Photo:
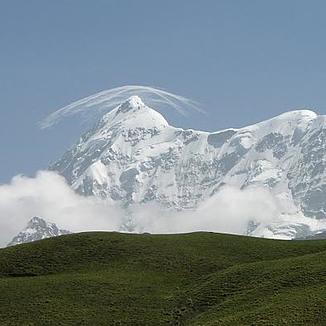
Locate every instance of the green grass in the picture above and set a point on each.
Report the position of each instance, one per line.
(191, 279)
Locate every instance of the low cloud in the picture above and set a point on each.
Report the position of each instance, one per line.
(49, 196)
(228, 211)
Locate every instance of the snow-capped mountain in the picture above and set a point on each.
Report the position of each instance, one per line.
(37, 229)
(134, 156)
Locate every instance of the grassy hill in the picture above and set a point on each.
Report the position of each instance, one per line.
(191, 279)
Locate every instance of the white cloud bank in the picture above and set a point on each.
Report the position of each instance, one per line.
(228, 211)
(48, 195)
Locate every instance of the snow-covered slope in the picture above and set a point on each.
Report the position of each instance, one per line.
(134, 156)
(37, 229)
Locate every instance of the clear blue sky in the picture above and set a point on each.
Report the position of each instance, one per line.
(243, 60)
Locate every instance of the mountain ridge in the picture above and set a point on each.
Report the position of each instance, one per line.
(134, 156)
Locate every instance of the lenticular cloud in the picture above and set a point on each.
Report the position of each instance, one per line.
(100, 103)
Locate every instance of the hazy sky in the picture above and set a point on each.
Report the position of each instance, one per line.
(243, 60)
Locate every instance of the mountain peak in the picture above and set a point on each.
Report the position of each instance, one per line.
(133, 113)
(286, 121)
(36, 221)
(298, 114)
(133, 103)
(37, 229)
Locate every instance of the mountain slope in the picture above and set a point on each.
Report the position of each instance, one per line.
(37, 229)
(134, 156)
(189, 279)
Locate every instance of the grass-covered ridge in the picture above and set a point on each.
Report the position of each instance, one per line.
(191, 279)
